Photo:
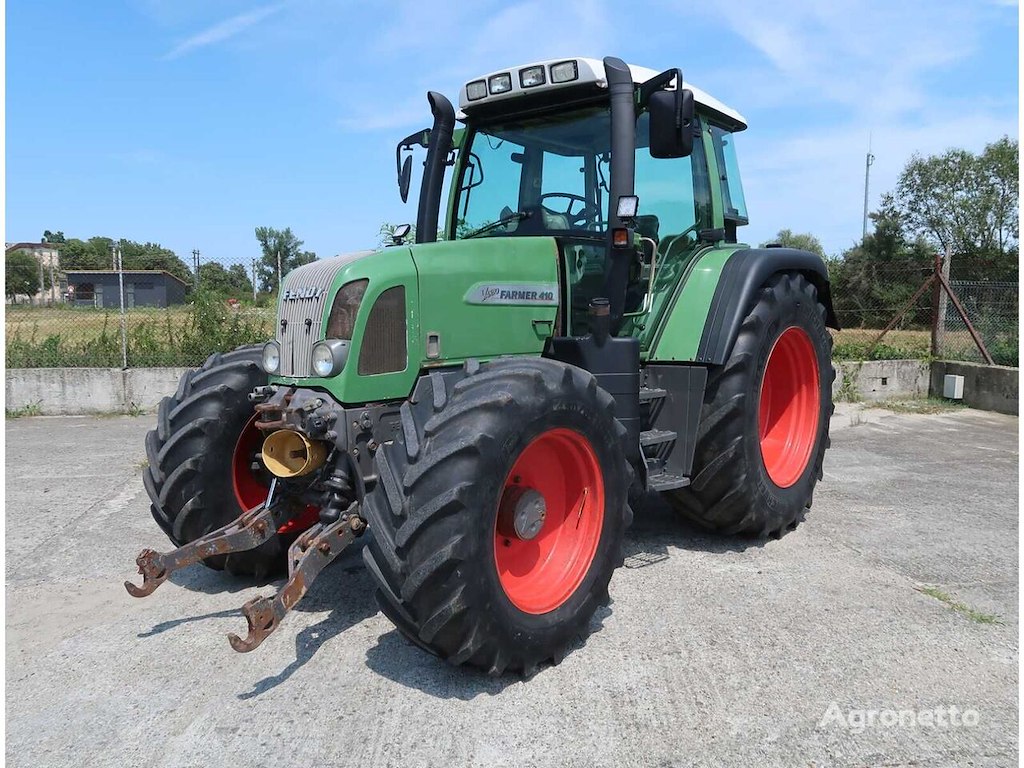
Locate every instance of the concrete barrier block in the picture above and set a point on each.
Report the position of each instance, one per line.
(66, 391)
(988, 387)
(874, 380)
(145, 387)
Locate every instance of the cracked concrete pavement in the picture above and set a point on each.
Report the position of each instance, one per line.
(713, 652)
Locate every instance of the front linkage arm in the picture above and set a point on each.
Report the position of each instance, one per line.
(248, 531)
(307, 556)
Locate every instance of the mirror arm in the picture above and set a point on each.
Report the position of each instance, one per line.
(658, 82)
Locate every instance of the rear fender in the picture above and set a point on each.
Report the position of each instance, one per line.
(742, 277)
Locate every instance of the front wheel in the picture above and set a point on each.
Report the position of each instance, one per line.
(763, 428)
(499, 514)
(202, 470)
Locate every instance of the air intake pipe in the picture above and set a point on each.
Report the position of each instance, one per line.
(439, 146)
(623, 169)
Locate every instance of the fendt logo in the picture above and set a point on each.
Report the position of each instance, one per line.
(294, 294)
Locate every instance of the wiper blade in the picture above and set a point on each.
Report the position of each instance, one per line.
(506, 219)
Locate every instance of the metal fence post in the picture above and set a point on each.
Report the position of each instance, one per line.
(124, 320)
(938, 307)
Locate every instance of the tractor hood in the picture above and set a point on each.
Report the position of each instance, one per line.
(406, 308)
(486, 297)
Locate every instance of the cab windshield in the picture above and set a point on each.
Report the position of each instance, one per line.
(549, 175)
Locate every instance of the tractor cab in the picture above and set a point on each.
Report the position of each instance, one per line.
(535, 159)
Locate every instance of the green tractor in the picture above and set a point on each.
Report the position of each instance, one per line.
(487, 403)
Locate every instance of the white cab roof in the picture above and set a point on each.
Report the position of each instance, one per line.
(590, 71)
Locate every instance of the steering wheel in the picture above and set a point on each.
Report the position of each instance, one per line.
(585, 215)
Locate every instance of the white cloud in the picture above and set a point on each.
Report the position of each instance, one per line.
(830, 75)
(223, 30)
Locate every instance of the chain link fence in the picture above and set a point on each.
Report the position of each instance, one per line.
(993, 310)
(137, 317)
(901, 311)
(868, 299)
(77, 320)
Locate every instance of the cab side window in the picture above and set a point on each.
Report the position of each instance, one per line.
(733, 201)
(674, 193)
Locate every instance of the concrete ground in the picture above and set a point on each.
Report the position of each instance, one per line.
(713, 652)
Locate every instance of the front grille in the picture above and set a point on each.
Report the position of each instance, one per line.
(383, 348)
(300, 321)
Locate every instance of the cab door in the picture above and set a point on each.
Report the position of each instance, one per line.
(675, 205)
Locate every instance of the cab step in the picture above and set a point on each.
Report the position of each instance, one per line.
(653, 437)
(647, 394)
(667, 481)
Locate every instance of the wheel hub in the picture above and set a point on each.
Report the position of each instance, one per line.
(525, 509)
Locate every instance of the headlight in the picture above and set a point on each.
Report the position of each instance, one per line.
(532, 76)
(499, 83)
(476, 90)
(564, 72)
(329, 357)
(271, 357)
(342, 320)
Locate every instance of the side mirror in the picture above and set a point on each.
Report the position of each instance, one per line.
(421, 139)
(404, 177)
(671, 123)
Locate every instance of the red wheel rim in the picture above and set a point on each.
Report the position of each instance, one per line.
(540, 573)
(250, 489)
(789, 407)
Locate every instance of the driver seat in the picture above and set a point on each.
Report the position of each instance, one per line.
(648, 226)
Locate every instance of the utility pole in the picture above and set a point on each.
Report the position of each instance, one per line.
(279, 269)
(195, 265)
(868, 161)
(254, 280)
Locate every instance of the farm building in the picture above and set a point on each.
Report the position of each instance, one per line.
(142, 288)
(50, 281)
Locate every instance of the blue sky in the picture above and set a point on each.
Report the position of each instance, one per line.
(190, 122)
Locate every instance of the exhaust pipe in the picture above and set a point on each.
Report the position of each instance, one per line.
(286, 453)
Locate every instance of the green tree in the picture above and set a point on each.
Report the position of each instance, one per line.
(79, 254)
(95, 253)
(872, 280)
(279, 244)
(232, 282)
(53, 237)
(968, 204)
(22, 275)
(153, 256)
(803, 241)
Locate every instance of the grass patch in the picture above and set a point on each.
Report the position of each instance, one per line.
(924, 405)
(855, 344)
(32, 409)
(962, 608)
(62, 337)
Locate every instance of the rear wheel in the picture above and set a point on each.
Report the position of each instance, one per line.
(499, 514)
(202, 471)
(764, 425)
